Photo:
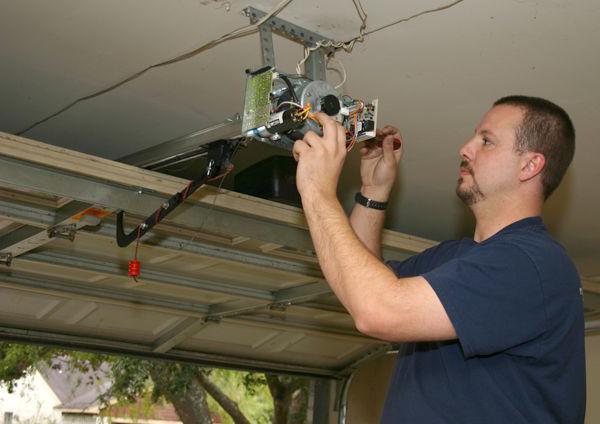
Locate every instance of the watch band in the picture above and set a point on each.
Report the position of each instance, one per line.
(369, 203)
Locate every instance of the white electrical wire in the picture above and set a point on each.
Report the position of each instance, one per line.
(416, 15)
(343, 69)
(240, 32)
(349, 45)
(290, 103)
(345, 45)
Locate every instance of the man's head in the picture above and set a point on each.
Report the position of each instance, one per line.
(521, 140)
(547, 129)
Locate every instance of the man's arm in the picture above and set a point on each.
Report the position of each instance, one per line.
(378, 169)
(367, 225)
(381, 305)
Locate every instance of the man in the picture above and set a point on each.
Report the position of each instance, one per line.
(494, 324)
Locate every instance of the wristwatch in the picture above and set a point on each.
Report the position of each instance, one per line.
(369, 203)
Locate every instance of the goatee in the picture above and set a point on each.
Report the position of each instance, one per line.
(470, 195)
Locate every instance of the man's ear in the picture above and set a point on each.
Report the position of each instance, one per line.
(533, 163)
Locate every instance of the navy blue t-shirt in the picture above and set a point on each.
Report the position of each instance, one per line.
(515, 303)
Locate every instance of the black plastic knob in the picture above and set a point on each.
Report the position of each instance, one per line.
(330, 105)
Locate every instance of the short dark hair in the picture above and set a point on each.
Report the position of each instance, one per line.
(547, 129)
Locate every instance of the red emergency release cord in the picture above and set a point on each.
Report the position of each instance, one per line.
(134, 265)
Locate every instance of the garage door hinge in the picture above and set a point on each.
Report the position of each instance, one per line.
(6, 258)
(63, 231)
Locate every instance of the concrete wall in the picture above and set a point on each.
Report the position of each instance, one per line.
(368, 388)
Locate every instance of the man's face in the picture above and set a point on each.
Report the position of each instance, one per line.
(489, 163)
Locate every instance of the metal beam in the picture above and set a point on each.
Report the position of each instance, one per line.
(182, 331)
(315, 64)
(266, 45)
(30, 282)
(302, 293)
(149, 274)
(41, 217)
(287, 297)
(182, 146)
(235, 308)
(11, 241)
(286, 29)
(71, 216)
(315, 328)
(112, 196)
(84, 342)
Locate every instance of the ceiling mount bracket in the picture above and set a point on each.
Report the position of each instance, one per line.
(315, 63)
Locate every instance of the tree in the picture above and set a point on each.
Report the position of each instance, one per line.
(194, 391)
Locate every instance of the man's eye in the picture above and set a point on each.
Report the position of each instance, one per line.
(486, 141)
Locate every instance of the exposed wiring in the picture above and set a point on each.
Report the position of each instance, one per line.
(355, 129)
(290, 87)
(349, 45)
(298, 105)
(345, 45)
(343, 69)
(238, 33)
(425, 12)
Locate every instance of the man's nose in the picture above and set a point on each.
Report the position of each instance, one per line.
(467, 151)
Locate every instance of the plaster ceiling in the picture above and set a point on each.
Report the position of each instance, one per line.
(435, 76)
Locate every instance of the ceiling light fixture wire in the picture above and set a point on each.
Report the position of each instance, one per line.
(238, 33)
(416, 15)
(347, 46)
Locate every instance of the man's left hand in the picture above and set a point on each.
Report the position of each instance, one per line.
(320, 159)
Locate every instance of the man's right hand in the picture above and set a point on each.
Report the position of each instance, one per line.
(379, 164)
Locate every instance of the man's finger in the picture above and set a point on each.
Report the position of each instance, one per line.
(388, 149)
(299, 148)
(389, 130)
(328, 124)
(312, 139)
(341, 136)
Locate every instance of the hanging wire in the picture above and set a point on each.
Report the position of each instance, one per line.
(416, 15)
(238, 33)
(343, 69)
(362, 33)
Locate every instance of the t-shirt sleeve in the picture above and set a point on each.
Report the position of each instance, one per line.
(493, 296)
(419, 263)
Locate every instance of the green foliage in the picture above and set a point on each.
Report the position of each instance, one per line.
(130, 378)
(17, 361)
(248, 390)
(132, 382)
